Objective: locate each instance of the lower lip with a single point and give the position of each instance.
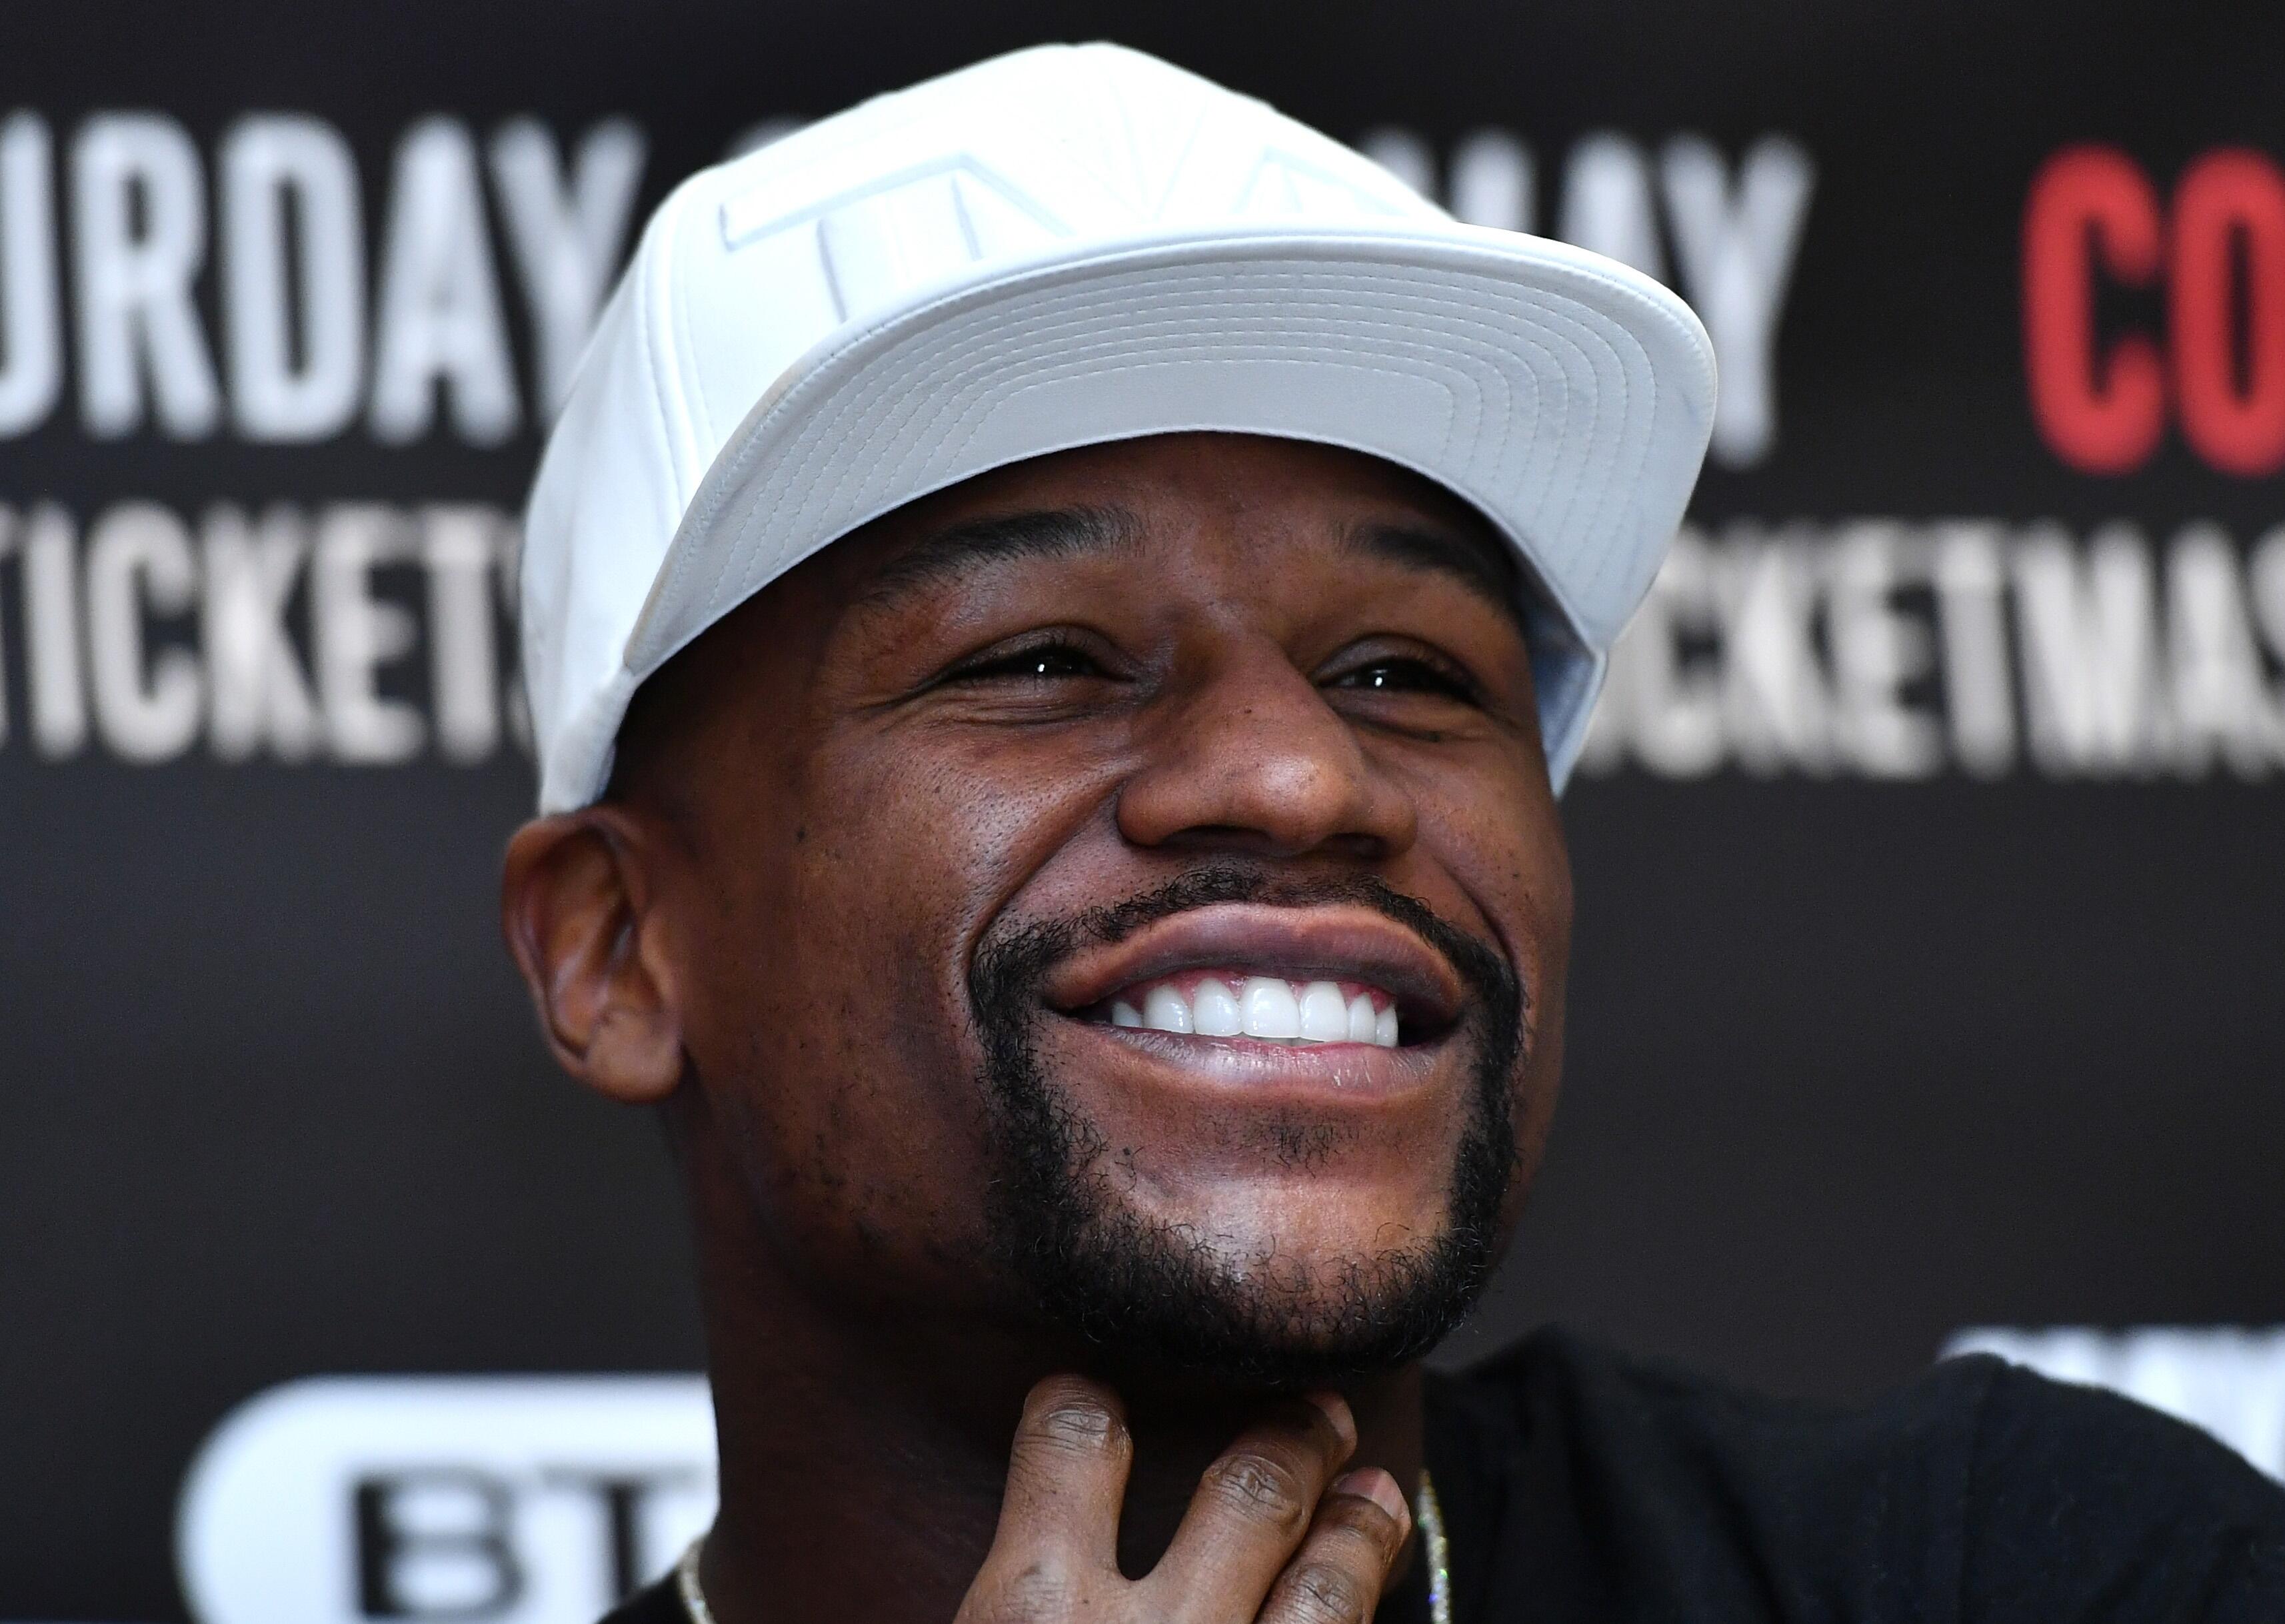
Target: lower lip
(1277, 1071)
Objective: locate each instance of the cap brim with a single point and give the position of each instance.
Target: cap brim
(1566, 397)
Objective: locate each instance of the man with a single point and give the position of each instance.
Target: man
(1056, 616)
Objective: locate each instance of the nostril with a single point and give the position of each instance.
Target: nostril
(1231, 837)
(1242, 840)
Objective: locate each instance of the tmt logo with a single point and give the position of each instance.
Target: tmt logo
(2096, 234)
(485, 1500)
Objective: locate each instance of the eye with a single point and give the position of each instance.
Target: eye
(1051, 662)
(1405, 674)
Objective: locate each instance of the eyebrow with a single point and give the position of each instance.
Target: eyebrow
(1047, 533)
(1484, 566)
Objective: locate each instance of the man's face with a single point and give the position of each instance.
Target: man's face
(1122, 893)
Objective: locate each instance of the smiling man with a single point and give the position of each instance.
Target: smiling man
(1055, 618)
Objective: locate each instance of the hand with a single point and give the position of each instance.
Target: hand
(1270, 1537)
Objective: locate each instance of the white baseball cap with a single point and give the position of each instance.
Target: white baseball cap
(1063, 246)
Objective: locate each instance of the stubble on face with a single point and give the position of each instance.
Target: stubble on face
(1168, 1295)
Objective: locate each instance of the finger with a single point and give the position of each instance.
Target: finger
(1337, 1576)
(1066, 1476)
(1253, 1507)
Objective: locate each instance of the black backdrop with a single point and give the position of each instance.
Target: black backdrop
(1880, 1028)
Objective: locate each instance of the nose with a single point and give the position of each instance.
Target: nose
(1251, 758)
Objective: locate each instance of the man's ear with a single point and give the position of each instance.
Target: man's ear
(576, 908)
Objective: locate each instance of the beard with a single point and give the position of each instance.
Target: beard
(1157, 1292)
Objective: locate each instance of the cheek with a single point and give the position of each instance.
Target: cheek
(1499, 838)
(835, 999)
(1492, 826)
(1533, 887)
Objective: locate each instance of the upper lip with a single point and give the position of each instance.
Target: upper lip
(1335, 943)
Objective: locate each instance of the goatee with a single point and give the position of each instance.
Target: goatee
(1160, 1293)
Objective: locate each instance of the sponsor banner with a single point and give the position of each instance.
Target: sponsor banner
(126, 232)
(365, 633)
(1891, 649)
(1885, 649)
(314, 340)
(510, 1500)
(360, 633)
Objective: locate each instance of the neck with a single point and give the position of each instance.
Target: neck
(863, 1463)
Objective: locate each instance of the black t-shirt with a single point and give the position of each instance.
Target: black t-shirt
(1581, 1485)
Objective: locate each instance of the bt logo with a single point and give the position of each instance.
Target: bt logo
(483, 1500)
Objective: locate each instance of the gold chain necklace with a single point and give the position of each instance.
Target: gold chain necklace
(1427, 1514)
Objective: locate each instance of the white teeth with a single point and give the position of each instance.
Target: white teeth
(1216, 1011)
(1165, 1010)
(1324, 1013)
(1263, 1007)
(1271, 1010)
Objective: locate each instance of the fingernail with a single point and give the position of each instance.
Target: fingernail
(1336, 1410)
(1372, 1484)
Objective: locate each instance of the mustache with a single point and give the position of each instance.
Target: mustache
(1012, 962)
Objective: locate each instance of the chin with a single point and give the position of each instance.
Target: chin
(1250, 1306)
(1298, 1236)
